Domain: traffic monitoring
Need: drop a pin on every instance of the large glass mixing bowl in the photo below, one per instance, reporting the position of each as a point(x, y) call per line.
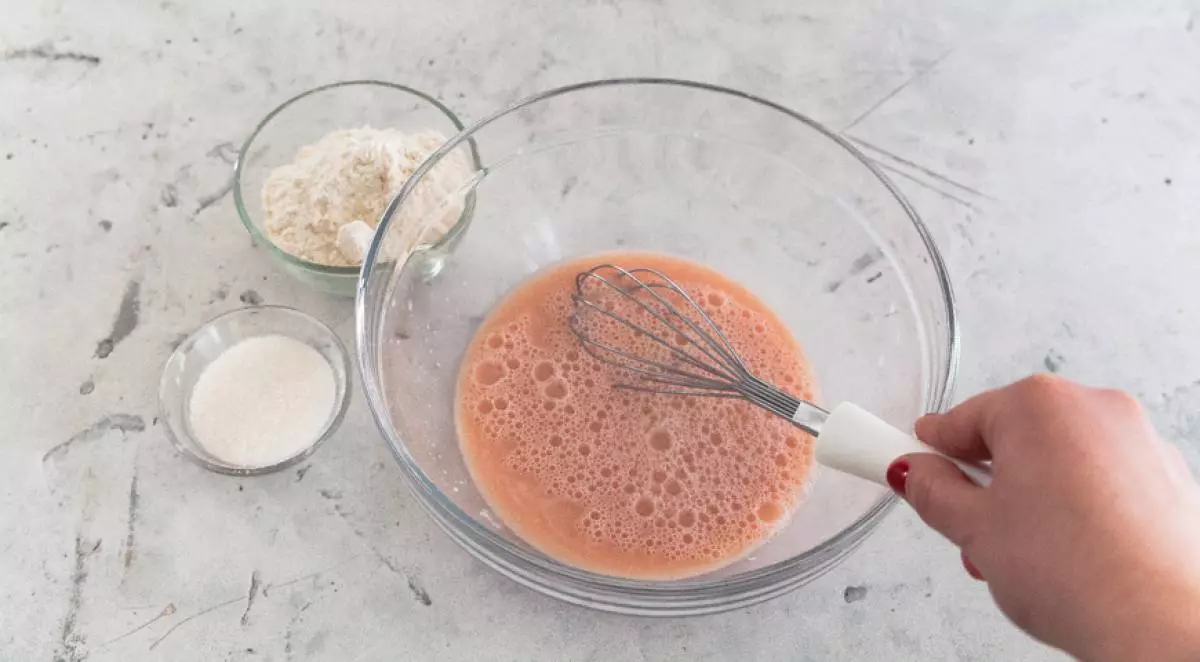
point(759, 192)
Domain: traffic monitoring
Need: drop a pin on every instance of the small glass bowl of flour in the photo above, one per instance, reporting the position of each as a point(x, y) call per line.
point(255, 390)
point(315, 175)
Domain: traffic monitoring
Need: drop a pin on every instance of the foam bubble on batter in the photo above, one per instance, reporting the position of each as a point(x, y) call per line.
point(676, 484)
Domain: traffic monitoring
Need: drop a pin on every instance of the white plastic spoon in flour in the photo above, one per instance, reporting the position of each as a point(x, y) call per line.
point(353, 240)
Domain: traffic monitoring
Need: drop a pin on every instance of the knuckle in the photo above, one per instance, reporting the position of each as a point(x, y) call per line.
point(1045, 390)
point(1045, 384)
point(1121, 400)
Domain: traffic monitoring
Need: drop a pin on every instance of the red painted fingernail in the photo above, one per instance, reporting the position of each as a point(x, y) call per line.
point(897, 476)
point(971, 569)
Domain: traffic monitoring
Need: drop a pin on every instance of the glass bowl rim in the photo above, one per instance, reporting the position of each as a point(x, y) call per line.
point(655, 598)
point(330, 428)
point(243, 153)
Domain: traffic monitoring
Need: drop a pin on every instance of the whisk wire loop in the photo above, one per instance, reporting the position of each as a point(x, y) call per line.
point(714, 369)
point(724, 356)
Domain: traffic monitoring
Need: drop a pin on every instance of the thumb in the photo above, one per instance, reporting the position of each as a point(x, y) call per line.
point(945, 499)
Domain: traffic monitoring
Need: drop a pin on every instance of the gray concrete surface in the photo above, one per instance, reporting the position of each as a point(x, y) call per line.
point(1053, 147)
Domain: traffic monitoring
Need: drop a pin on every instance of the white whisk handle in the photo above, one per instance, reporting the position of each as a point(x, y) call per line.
point(855, 441)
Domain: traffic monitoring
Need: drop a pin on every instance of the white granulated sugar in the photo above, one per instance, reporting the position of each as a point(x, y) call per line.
point(351, 175)
point(262, 401)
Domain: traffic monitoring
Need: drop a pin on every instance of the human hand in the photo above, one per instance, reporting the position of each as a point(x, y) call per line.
point(1089, 534)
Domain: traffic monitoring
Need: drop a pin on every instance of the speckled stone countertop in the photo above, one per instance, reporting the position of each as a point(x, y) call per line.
point(1053, 148)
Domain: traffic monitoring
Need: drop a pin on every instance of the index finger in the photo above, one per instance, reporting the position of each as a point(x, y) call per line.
point(961, 432)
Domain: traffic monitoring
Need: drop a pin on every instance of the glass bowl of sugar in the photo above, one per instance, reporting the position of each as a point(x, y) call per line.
point(254, 390)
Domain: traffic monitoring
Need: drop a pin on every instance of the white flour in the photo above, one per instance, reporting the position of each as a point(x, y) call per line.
point(262, 401)
point(351, 175)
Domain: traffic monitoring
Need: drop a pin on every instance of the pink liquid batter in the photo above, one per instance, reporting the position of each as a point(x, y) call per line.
point(618, 482)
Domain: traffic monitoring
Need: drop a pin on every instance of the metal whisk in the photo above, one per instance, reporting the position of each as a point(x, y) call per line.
point(704, 364)
point(684, 352)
